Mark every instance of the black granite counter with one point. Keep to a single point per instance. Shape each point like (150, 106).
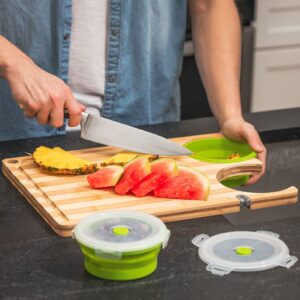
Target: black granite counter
(36, 263)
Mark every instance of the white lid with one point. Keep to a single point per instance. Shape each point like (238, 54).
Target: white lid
(243, 251)
(116, 232)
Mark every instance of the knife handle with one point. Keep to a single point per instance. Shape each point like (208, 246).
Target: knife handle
(67, 115)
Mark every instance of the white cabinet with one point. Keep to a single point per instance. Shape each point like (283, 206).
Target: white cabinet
(276, 84)
(277, 23)
(276, 72)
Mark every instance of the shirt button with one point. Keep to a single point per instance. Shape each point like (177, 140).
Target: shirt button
(111, 78)
(115, 32)
(67, 37)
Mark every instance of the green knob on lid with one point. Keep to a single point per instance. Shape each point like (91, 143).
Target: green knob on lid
(120, 230)
(243, 250)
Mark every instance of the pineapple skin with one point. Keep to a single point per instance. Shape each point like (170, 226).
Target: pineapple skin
(42, 157)
(81, 171)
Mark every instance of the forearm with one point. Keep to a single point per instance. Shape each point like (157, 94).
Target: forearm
(10, 57)
(217, 43)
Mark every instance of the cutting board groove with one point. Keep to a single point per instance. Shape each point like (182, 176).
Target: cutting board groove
(63, 201)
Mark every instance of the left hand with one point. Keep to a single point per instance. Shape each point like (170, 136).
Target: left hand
(238, 129)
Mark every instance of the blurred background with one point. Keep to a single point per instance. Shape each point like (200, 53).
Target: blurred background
(270, 75)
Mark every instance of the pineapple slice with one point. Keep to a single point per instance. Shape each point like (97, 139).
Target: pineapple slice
(59, 161)
(122, 158)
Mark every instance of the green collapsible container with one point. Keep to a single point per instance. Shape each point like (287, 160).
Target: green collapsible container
(121, 245)
(217, 150)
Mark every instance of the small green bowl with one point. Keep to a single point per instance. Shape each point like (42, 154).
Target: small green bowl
(217, 150)
(130, 266)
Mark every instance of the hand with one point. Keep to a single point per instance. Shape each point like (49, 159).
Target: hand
(238, 129)
(41, 94)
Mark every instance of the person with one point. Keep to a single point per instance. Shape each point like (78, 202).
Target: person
(120, 59)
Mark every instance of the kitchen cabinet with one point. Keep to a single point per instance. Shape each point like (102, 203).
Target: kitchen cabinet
(277, 23)
(276, 69)
(276, 80)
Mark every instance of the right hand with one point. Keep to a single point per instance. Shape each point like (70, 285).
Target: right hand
(42, 95)
(238, 129)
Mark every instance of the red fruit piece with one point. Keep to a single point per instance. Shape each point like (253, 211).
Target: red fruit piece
(134, 172)
(161, 170)
(105, 177)
(189, 184)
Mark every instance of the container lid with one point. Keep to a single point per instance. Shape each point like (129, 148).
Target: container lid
(243, 251)
(121, 231)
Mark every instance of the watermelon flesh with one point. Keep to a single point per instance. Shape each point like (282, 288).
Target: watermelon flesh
(161, 170)
(134, 171)
(105, 177)
(190, 184)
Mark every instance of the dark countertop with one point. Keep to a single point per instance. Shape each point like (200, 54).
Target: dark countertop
(36, 263)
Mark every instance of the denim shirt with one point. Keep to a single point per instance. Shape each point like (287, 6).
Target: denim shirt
(145, 46)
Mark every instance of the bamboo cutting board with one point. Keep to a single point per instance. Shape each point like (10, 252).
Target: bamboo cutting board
(63, 200)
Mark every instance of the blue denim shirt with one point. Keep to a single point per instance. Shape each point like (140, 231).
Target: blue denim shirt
(145, 45)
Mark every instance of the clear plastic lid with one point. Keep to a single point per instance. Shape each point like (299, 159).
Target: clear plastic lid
(121, 231)
(243, 251)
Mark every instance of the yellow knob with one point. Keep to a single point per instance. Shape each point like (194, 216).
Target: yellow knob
(243, 250)
(120, 230)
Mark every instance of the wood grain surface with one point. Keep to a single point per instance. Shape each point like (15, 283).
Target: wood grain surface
(63, 200)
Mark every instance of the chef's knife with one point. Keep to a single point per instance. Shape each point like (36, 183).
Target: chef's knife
(108, 132)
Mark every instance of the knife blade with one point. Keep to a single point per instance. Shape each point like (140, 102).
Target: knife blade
(109, 132)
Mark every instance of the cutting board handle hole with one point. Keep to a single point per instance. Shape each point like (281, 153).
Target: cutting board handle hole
(13, 161)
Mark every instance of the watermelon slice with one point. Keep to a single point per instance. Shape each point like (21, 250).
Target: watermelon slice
(161, 170)
(105, 177)
(134, 172)
(189, 184)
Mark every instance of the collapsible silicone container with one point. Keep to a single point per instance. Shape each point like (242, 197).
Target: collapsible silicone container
(121, 245)
(217, 150)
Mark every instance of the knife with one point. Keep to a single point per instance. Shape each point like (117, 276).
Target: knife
(108, 132)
